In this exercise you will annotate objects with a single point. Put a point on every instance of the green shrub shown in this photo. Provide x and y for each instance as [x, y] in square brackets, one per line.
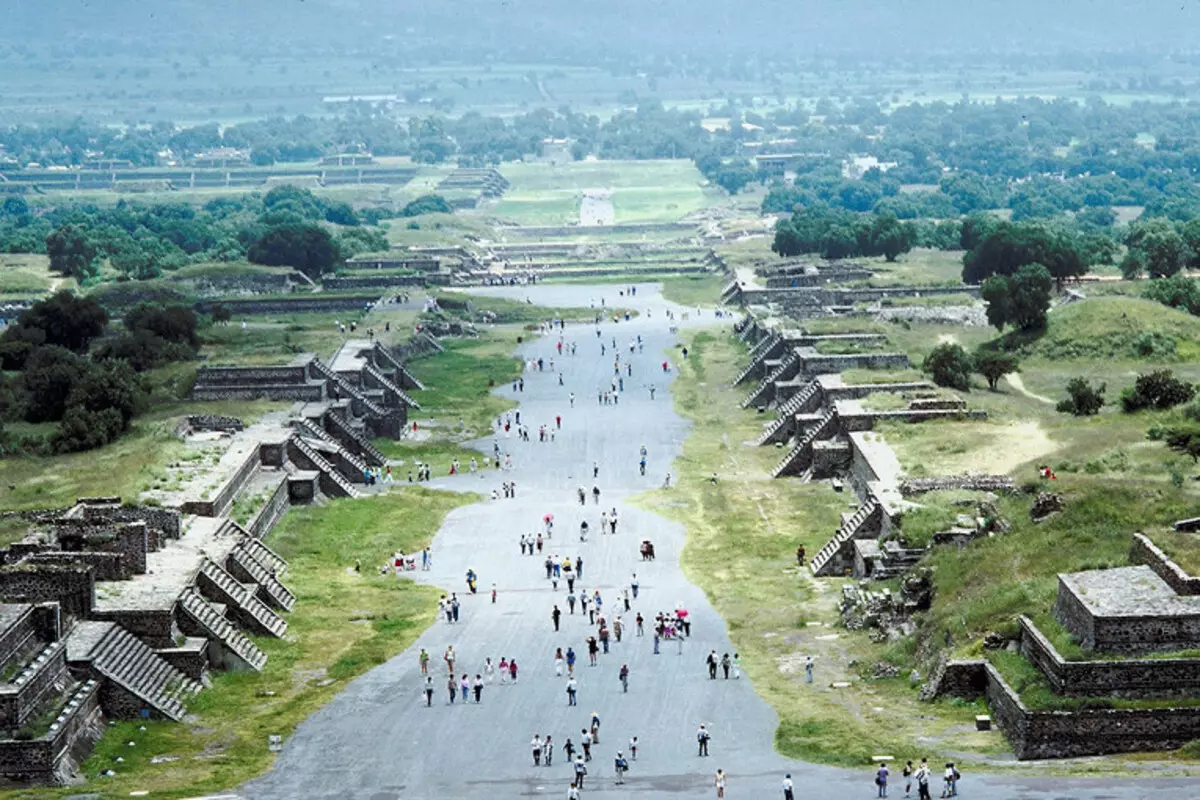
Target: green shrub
[1159, 390]
[1083, 399]
[949, 366]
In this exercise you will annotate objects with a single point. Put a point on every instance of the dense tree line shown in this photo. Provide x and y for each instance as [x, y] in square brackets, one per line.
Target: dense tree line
[71, 369]
[141, 240]
[836, 233]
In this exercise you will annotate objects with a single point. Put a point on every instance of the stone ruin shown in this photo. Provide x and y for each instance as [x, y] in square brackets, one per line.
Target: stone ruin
[110, 611]
[364, 381]
[826, 432]
[887, 615]
[1128, 620]
[115, 611]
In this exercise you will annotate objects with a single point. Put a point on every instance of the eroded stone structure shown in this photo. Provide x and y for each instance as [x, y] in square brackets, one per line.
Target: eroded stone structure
[111, 611]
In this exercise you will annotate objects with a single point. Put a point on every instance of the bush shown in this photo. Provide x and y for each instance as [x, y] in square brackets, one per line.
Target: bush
[1184, 439]
[1152, 344]
[1157, 390]
[1177, 291]
[81, 429]
[49, 377]
[949, 366]
[63, 319]
[993, 366]
[427, 204]
[1083, 399]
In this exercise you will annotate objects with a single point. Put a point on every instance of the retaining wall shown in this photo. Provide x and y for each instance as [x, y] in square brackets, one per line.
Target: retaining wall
[1127, 678]
[384, 282]
[301, 305]
[1069, 734]
[55, 757]
[264, 521]
[218, 504]
[1144, 551]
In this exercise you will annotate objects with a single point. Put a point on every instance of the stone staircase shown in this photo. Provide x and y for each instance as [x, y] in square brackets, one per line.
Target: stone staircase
[119, 656]
[757, 353]
[394, 363]
[333, 483]
[264, 555]
[798, 458]
[367, 451]
[243, 564]
[826, 560]
[774, 375]
[345, 388]
[777, 431]
[306, 426]
[388, 385]
[730, 291]
[242, 599]
[209, 622]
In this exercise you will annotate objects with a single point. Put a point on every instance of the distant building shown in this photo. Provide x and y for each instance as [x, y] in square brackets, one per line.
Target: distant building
[220, 157]
[780, 163]
[107, 164]
[348, 160]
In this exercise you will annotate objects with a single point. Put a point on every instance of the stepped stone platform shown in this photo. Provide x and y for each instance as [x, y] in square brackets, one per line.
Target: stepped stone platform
[1115, 614]
[110, 611]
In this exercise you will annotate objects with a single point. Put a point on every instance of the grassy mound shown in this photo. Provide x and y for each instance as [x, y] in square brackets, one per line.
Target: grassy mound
[1115, 328]
[223, 269]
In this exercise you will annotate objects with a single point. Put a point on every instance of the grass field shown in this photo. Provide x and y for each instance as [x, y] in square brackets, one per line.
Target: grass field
[642, 191]
[28, 275]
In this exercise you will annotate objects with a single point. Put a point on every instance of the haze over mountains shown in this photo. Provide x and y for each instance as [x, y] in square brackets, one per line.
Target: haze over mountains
[590, 30]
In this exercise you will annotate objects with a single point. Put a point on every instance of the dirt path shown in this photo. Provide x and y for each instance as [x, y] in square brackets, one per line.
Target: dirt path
[1014, 380]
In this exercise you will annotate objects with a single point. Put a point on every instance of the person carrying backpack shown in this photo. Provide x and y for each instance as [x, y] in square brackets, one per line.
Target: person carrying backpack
[621, 766]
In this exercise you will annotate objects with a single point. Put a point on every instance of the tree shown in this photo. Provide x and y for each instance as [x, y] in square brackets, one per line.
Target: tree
[1011, 246]
[1177, 291]
[308, 248]
[1159, 390]
[890, 237]
[50, 375]
[950, 366]
[1184, 439]
[71, 252]
[173, 323]
[427, 204]
[1157, 248]
[66, 320]
[1020, 300]
[221, 313]
[1083, 399]
[994, 365]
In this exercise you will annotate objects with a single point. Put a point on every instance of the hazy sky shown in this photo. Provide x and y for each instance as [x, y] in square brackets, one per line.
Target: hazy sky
[560, 27]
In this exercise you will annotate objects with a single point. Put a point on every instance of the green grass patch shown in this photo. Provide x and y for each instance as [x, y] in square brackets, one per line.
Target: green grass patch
[1117, 327]
[694, 290]
[28, 275]
[1182, 548]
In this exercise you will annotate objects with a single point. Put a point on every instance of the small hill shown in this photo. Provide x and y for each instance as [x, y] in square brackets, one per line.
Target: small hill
[1118, 328]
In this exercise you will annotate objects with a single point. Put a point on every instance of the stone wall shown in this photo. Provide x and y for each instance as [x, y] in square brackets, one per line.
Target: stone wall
[22, 695]
[830, 458]
[215, 422]
[14, 639]
[1144, 551]
[1137, 678]
[316, 303]
[245, 376]
[275, 507]
[336, 283]
[55, 757]
[105, 566]
[154, 626]
[221, 286]
[1074, 616]
[167, 520]
[1000, 484]
[312, 393]
[73, 587]
[191, 658]
[218, 504]
[820, 363]
[127, 539]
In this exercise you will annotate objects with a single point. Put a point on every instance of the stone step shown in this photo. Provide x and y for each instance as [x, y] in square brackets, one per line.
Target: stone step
[305, 426]
[390, 385]
[366, 449]
[264, 555]
[803, 449]
[251, 612]
[125, 660]
[820, 563]
[772, 376]
[218, 628]
[343, 487]
[244, 566]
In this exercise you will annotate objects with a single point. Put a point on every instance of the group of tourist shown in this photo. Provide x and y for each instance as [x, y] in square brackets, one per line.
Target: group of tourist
[921, 776]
